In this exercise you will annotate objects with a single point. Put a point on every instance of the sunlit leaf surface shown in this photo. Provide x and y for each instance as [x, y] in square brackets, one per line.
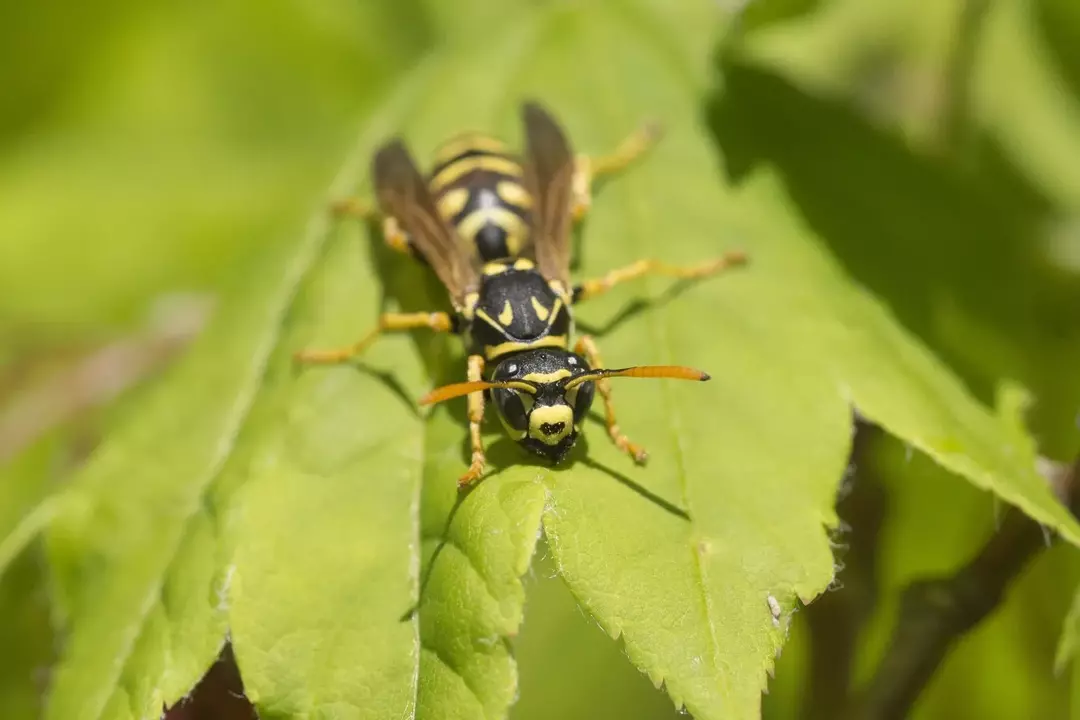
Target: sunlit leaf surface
[312, 515]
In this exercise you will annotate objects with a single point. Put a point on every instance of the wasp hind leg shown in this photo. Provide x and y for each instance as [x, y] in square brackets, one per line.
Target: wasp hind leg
[588, 170]
[587, 346]
[358, 209]
[598, 286]
[389, 322]
[476, 417]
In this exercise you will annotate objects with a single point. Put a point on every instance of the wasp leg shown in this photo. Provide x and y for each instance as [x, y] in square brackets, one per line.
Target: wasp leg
[587, 346]
[588, 170]
[356, 208]
[389, 322]
[395, 237]
[476, 417]
[593, 288]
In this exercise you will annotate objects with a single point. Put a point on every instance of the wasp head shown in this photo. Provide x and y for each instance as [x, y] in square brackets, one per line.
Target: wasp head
[538, 401]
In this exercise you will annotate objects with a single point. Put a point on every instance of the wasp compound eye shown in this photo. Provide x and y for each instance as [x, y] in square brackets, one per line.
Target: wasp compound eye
[510, 407]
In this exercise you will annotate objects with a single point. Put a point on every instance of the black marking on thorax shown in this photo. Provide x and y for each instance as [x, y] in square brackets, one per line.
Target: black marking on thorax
[516, 308]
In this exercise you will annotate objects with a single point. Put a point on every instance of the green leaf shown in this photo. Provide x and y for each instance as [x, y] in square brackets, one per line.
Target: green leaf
[760, 14]
[25, 633]
[1039, 123]
[26, 506]
[308, 513]
[1070, 637]
[138, 570]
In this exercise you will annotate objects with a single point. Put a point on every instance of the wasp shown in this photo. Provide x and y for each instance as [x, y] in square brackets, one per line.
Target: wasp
[511, 292]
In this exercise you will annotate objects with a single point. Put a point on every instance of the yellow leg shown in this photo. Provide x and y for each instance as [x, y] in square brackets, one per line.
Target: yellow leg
[476, 417]
[393, 235]
[389, 322]
[589, 170]
[354, 207]
[599, 286]
[587, 346]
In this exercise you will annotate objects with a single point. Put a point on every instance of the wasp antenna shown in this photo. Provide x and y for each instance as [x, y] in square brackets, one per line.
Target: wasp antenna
[449, 392]
[672, 372]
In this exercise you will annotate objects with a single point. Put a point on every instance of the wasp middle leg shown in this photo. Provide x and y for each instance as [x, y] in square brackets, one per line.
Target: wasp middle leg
[388, 322]
[599, 286]
[590, 169]
[587, 346]
[392, 233]
[476, 418]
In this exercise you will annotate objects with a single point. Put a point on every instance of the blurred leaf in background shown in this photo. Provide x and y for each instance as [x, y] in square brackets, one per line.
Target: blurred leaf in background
[152, 147]
[854, 106]
[25, 632]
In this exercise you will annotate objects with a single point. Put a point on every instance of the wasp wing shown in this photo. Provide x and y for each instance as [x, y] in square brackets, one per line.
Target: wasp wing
[549, 176]
[403, 194]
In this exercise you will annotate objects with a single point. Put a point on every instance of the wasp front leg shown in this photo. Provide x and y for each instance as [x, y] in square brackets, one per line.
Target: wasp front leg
[476, 418]
[389, 322]
[587, 346]
[588, 170]
[363, 211]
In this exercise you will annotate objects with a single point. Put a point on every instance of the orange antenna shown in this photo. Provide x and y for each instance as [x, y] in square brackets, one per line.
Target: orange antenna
[674, 372]
[449, 392]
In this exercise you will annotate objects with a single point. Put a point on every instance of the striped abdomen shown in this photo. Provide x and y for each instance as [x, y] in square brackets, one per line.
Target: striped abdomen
[478, 188]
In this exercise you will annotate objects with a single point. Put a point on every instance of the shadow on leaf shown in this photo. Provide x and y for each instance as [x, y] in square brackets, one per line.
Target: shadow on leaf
[952, 248]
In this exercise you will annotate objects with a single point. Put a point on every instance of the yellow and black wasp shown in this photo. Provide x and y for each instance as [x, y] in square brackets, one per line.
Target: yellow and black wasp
[512, 303]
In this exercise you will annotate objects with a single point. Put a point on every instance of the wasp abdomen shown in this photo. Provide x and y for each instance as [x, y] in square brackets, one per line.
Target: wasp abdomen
[477, 186]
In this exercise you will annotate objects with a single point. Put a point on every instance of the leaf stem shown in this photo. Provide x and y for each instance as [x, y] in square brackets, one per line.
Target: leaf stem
[936, 612]
[836, 618]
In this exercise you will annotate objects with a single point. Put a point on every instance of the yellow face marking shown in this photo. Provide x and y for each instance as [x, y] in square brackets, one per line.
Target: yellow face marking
[514, 194]
[523, 264]
[501, 217]
[492, 352]
[507, 315]
[452, 202]
[490, 163]
[558, 419]
[494, 268]
[541, 311]
[547, 377]
[464, 142]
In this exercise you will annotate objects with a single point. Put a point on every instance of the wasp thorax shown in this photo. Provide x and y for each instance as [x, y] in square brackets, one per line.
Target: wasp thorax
[545, 420]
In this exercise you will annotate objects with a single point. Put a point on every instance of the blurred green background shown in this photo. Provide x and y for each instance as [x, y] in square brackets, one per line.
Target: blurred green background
[148, 150]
